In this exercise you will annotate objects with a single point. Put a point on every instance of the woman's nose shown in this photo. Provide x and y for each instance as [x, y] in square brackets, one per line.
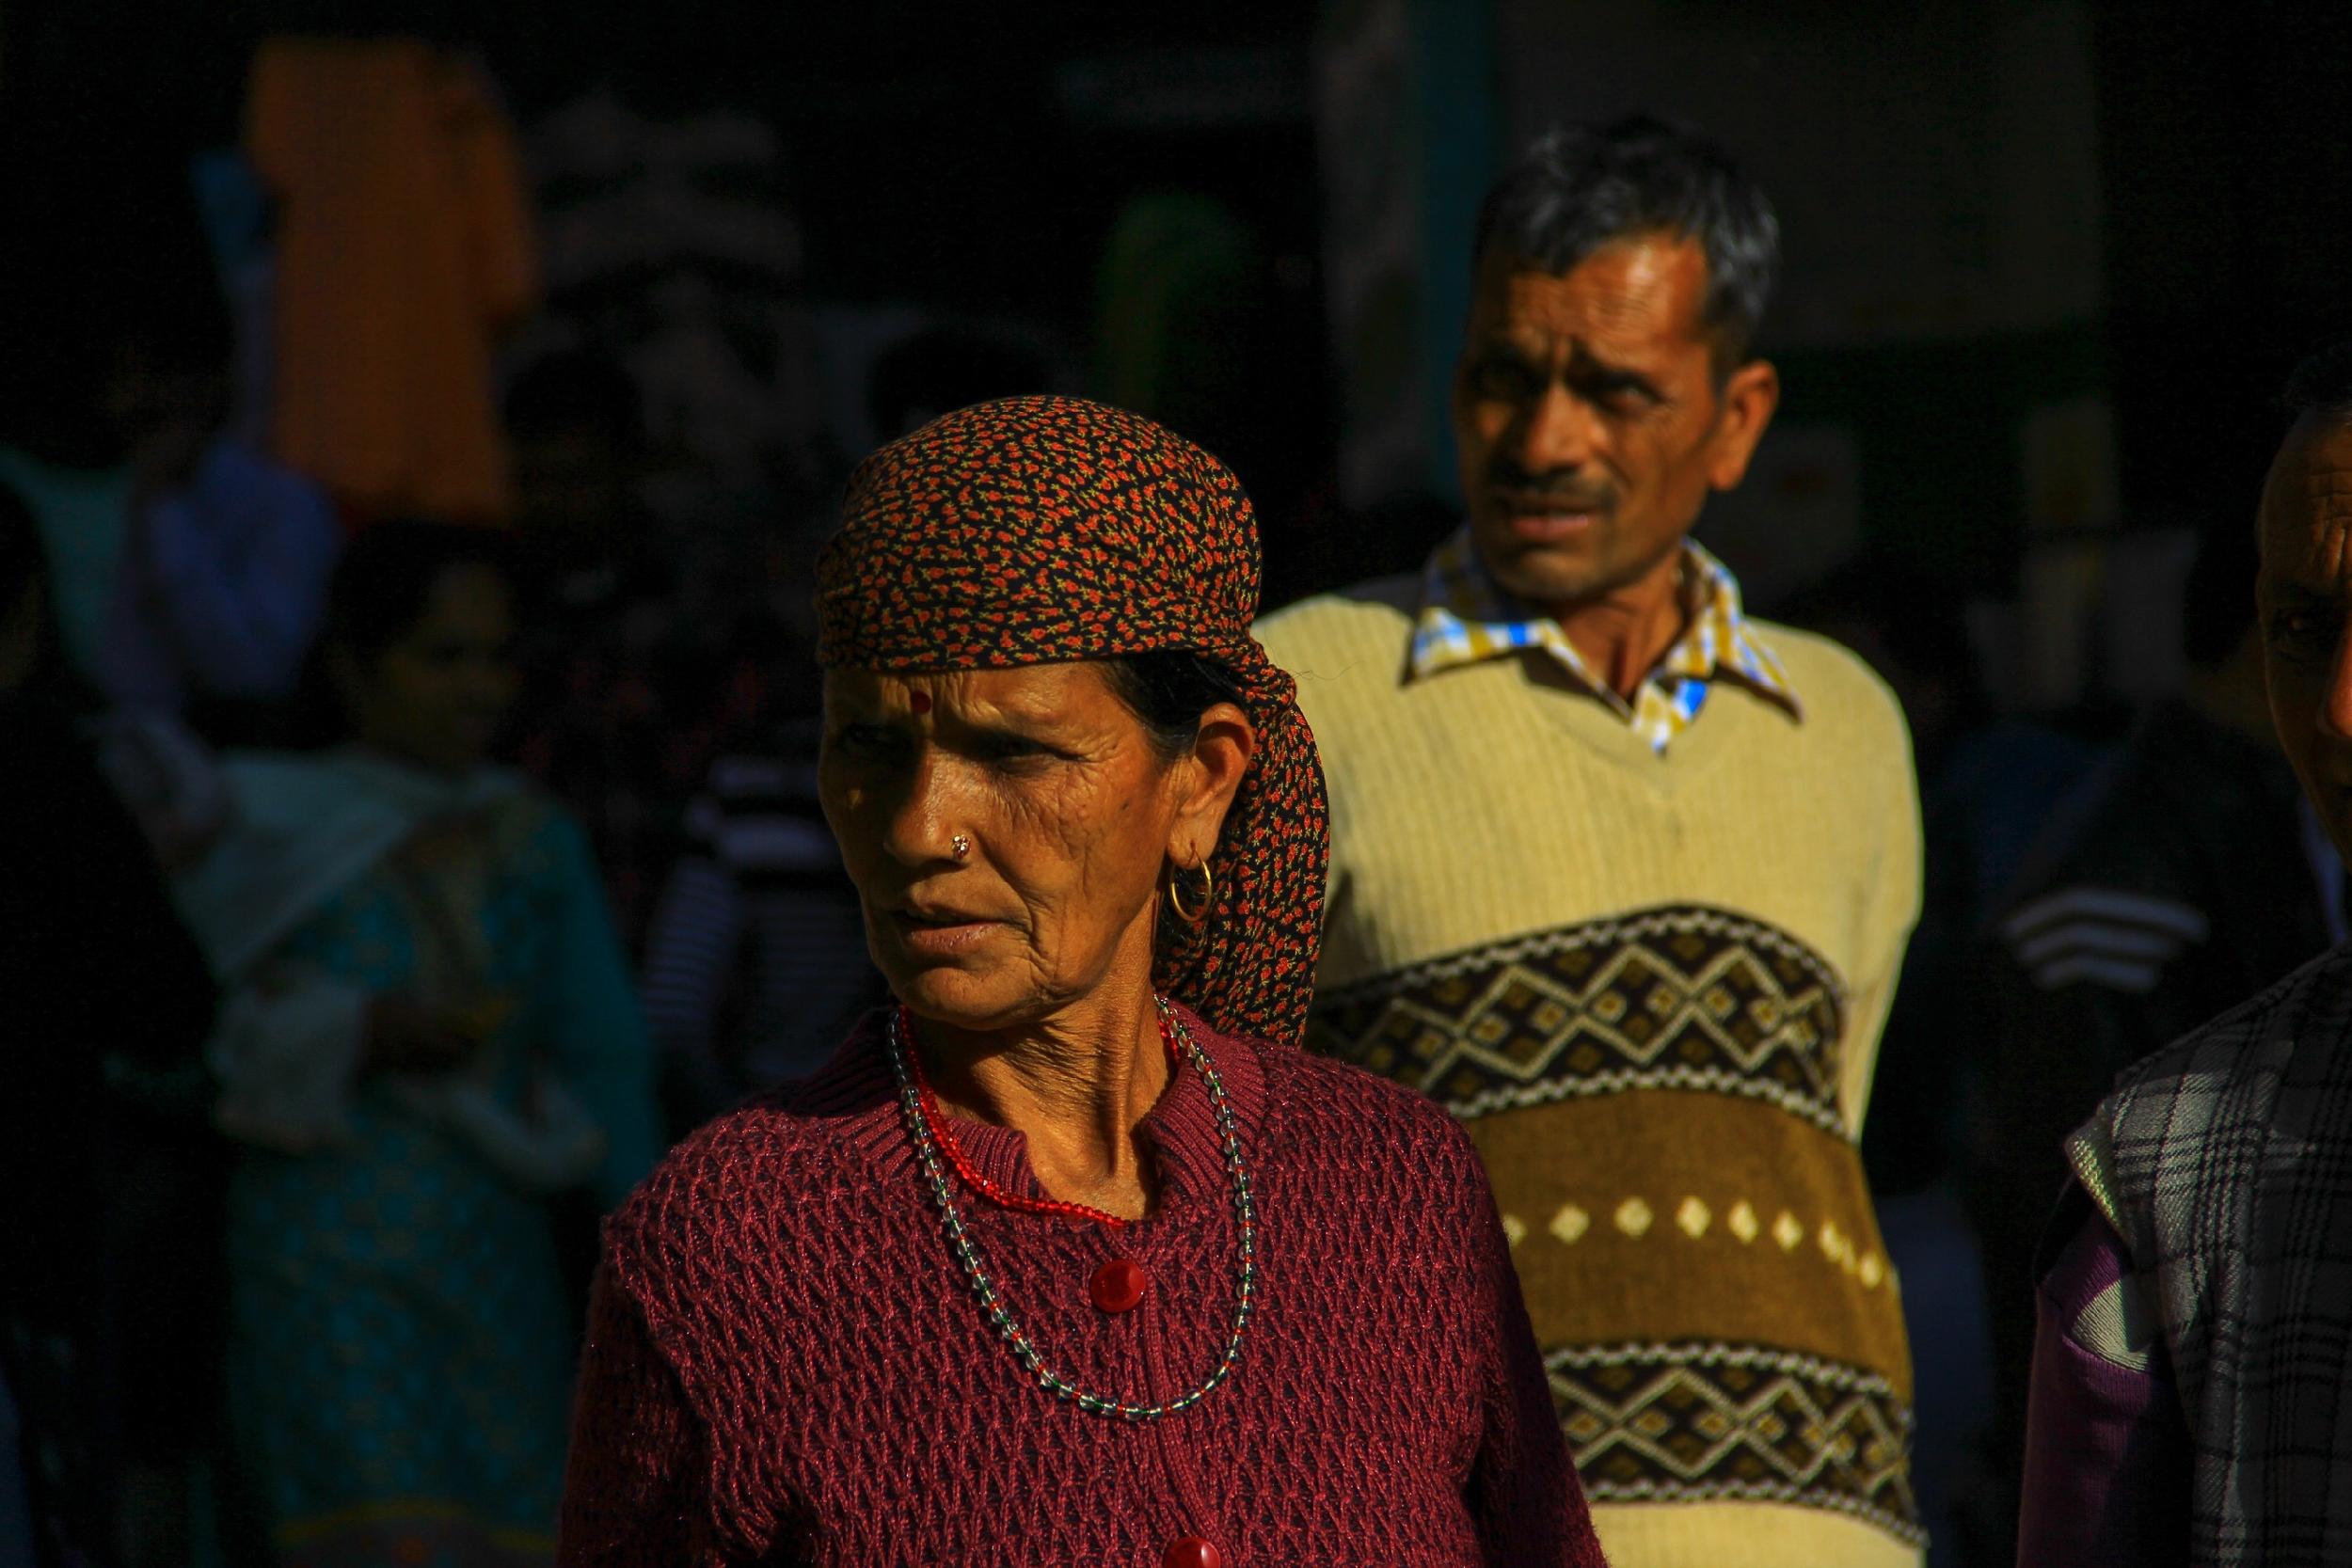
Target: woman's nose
[917, 824]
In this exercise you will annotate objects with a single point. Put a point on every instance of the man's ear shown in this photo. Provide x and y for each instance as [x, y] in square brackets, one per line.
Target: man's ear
[1749, 395]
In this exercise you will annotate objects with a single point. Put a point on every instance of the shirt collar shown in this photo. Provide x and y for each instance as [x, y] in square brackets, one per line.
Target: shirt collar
[1466, 617]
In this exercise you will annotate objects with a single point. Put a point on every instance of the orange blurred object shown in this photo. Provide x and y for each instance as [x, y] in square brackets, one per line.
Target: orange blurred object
[405, 245]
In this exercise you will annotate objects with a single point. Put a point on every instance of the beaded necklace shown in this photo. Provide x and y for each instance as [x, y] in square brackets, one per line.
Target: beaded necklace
[911, 1099]
[977, 1178]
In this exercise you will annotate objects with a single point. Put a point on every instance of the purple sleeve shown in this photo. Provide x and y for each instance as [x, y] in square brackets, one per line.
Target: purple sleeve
[629, 1491]
[2106, 1451]
[1524, 1496]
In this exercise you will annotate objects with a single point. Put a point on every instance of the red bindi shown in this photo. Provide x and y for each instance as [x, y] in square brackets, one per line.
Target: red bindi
[920, 702]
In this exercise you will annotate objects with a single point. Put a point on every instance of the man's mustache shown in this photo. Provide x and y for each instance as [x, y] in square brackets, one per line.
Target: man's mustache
[1552, 492]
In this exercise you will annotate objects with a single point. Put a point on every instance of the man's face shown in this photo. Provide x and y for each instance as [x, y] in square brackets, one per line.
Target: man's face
[2303, 594]
[1589, 420]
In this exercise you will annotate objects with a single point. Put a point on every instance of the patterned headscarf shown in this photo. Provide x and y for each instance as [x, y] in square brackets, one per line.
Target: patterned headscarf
[1036, 529]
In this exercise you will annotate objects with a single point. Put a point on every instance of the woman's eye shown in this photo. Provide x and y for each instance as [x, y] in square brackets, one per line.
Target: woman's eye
[1010, 748]
[868, 741]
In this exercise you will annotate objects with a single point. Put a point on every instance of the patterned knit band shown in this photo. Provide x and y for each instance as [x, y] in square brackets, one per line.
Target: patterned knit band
[1036, 529]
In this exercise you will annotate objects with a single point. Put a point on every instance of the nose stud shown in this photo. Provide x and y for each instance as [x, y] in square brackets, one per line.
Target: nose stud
[961, 846]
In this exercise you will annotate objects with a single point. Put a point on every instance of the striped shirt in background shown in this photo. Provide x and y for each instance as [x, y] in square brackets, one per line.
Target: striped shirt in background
[1466, 618]
[755, 966]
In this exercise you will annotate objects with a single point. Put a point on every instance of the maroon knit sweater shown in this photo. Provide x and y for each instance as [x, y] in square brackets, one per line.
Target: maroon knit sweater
[785, 1364]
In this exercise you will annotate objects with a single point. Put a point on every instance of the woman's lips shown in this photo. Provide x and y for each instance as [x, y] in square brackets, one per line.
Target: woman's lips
[942, 934]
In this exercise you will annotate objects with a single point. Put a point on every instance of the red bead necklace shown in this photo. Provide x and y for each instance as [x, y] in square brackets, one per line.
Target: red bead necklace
[970, 1174]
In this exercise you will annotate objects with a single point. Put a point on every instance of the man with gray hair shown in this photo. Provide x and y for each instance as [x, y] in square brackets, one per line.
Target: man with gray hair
[1623, 876]
[2192, 1370]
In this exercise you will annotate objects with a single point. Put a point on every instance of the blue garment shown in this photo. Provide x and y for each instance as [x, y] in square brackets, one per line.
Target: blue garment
[221, 585]
[401, 1355]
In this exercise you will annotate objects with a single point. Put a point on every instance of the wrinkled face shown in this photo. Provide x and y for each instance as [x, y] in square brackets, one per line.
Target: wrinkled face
[436, 696]
[1071, 816]
[2304, 597]
[1588, 418]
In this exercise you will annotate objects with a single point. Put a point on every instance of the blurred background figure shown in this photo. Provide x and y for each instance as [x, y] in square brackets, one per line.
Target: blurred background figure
[608, 693]
[756, 961]
[1986, 784]
[2183, 876]
[217, 594]
[107, 1298]
[673, 250]
[118, 376]
[428, 1035]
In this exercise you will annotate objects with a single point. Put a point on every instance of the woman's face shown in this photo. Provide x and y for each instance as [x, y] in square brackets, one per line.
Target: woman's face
[1071, 814]
[436, 695]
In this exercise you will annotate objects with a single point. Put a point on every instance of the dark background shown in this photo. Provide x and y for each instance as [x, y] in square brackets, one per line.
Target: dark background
[972, 159]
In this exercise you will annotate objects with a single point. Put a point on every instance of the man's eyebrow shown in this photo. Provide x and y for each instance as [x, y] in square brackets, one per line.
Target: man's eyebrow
[1584, 369]
[1590, 366]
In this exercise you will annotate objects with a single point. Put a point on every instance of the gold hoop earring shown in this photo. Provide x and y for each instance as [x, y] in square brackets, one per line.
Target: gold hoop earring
[1199, 911]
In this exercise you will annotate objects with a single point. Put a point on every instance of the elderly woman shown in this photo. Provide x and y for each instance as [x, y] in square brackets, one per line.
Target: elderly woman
[1070, 1256]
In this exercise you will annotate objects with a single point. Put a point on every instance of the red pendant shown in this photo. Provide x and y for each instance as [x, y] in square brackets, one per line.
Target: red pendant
[1190, 1551]
[1118, 1285]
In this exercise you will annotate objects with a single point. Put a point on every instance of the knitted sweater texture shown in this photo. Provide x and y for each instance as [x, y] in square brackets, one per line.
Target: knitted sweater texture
[786, 1364]
[1651, 987]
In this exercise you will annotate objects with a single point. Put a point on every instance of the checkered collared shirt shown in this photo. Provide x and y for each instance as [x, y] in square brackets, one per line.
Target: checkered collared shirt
[1467, 618]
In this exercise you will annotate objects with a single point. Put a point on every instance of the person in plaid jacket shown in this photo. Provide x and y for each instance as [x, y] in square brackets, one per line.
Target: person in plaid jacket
[2195, 1339]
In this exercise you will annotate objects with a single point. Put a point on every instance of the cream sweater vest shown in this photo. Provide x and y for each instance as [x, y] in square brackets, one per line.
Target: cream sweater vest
[1653, 988]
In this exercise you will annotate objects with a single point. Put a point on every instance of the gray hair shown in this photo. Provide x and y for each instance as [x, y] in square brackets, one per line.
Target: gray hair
[1577, 188]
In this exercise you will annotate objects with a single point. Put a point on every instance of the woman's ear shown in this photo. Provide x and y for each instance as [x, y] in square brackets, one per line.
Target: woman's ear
[1211, 773]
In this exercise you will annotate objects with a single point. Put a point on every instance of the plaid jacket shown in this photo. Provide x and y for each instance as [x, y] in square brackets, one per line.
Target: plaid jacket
[2225, 1164]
